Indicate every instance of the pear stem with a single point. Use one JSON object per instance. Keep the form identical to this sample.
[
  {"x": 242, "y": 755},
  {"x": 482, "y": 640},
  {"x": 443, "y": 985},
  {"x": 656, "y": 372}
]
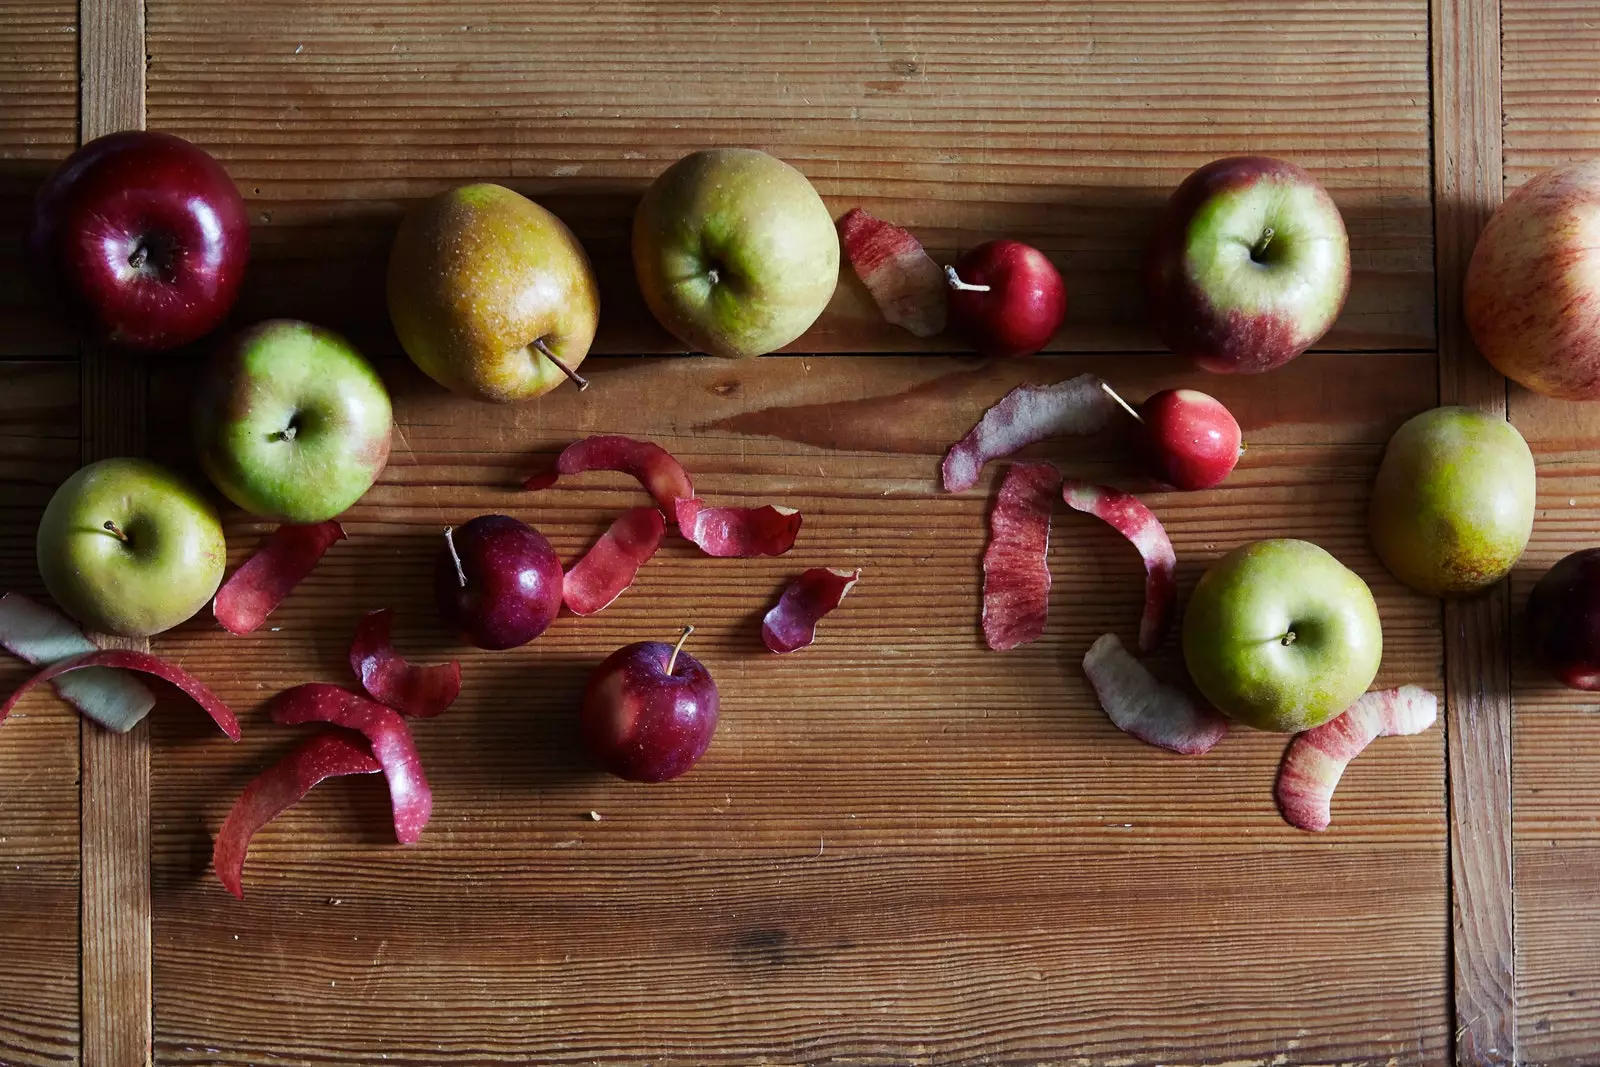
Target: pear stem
[
  {"x": 577, "y": 379},
  {"x": 1287, "y": 639},
  {"x": 115, "y": 531},
  {"x": 1112, "y": 393},
  {"x": 960, "y": 286},
  {"x": 673, "y": 661},
  {"x": 455, "y": 557},
  {"x": 1259, "y": 249}
]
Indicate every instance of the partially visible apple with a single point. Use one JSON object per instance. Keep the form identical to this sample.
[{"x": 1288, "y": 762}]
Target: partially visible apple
[
  {"x": 1564, "y": 619},
  {"x": 1006, "y": 298},
  {"x": 1248, "y": 266},
  {"x": 143, "y": 237},
  {"x": 127, "y": 547},
  {"x": 491, "y": 295},
  {"x": 291, "y": 423},
  {"x": 1281, "y": 636},
  {"x": 649, "y": 711},
  {"x": 734, "y": 252},
  {"x": 1533, "y": 286}
]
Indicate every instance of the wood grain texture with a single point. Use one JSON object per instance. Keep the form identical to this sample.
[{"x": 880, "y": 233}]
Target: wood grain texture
[
  {"x": 1064, "y": 124},
  {"x": 1467, "y": 187},
  {"x": 901, "y": 848}
]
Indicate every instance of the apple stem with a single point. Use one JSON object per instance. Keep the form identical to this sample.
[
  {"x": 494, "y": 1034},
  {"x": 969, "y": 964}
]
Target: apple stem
[
  {"x": 455, "y": 557},
  {"x": 288, "y": 433},
  {"x": 1287, "y": 639},
  {"x": 961, "y": 286},
  {"x": 1260, "y": 247},
  {"x": 140, "y": 256},
  {"x": 577, "y": 379},
  {"x": 115, "y": 531},
  {"x": 1112, "y": 393},
  {"x": 673, "y": 661}
]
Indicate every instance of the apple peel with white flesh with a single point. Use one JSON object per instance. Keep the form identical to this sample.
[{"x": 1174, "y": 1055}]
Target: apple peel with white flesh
[
  {"x": 1139, "y": 704},
  {"x": 1026, "y": 415},
  {"x": 738, "y": 533},
  {"x": 262, "y": 582},
  {"x": 419, "y": 690},
  {"x": 143, "y": 662},
  {"x": 610, "y": 566},
  {"x": 1016, "y": 567},
  {"x": 904, "y": 281},
  {"x": 651, "y": 465},
  {"x": 792, "y": 623},
  {"x": 1315, "y": 760},
  {"x": 330, "y": 754},
  {"x": 41, "y": 636},
  {"x": 409, "y": 793},
  {"x": 1128, "y": 516}
]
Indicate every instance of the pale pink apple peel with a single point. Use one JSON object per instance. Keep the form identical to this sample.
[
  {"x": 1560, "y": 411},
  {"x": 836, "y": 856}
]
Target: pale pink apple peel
[
  {"x": 1139, "y": 704},
  {"x": 1026, "y": 415},
  {"x": 1016, "y": 567},
  {"x": 1128, "y": 516},
  {"x": 42, "y": 636},
  {"x": 904, "y": 281}
]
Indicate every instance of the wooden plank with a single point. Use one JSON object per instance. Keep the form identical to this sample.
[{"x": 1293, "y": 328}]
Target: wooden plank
[
  {"x": 901, "y": 847},
  {"x": 1467, "y": 187},
  {"x": 116, "y": 985}
]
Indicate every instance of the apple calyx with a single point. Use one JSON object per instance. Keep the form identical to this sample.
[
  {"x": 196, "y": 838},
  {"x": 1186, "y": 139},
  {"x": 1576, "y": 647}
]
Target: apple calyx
[
  {"x": 963, "y": 287},
  {"x": 455, "y": 557},
  {"x": 573, "y": 376},
  {"x": 115, "y": 531},
  {"x": 672, "y": 661}
]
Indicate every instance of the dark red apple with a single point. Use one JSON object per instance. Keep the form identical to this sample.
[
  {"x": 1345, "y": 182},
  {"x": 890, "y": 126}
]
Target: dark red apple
[
  {"x": 649, "y": 711},
  {"x": 498, "y": 582},
  {"x": 143, "y": 237},
  {"x": 1190, "y": 440},
  {"x": 1006, "y": 298},
  {"x": 1564, "y": 619}
]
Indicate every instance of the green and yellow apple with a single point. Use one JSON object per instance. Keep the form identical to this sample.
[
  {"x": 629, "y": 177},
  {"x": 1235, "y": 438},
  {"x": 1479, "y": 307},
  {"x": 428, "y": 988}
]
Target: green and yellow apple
[
  {"x": 1452, "y": 508},
  {"x": 1279, "y": 635},
  {"x": 127, "y": 547},
  {"x": 491, "y": 295},
  {"x": 735, "y": 253},
  {"x": 291, "y": 422}
]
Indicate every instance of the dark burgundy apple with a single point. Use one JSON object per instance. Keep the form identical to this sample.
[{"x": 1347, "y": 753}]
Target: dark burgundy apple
[
  {"x": 1564, "y": 619},
  {"x": 649, "y": 711},
  {"x": 498, "y": 582},
  {"x": 143, "y": 237},
  {"x": 1006, "y": 298},
  {"x": 1189, "y": 439}
]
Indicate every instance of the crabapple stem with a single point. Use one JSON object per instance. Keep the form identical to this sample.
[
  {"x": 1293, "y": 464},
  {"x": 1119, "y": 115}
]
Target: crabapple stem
[
  {"x": 1259, "y": 249},
  {"x": 961, "y": 286},
  {"x": 455, "y": 557},
  {"x": 577, "y": 379},
  {"x": 115, "y": 531},
  {"x": 1112, "y": 393},
  {"x": 673, "y": 661}
]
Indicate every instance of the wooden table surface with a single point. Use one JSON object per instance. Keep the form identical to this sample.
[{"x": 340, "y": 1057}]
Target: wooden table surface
[{"x": 902, "y": 848}]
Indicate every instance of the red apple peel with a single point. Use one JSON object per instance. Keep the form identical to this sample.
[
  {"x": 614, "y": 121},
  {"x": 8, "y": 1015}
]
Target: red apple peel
[
  {"x": 42, "y": 636},
  {"x": 769, "y": 530},
  {"x": 262, "y": 582},
  {"x": 409, "y": 793},
  {"x": 422, "y": 691},
  {"x": 1026, "y": 415},
  {"x": 610, "y": 566},
  {"x": 1137, "y": 703},
  {"x": 330, "y": 754},
  {"x": 1129, "y": 517},
  {"x": 647, "y": 462},
  {"x": 792, "y": 623},
  {"x": 904, "y": 281},
  {"x": 129, "y": 660},
  {"x": 1016, "y": 568},
  {"x": 1315, "y": 760}
]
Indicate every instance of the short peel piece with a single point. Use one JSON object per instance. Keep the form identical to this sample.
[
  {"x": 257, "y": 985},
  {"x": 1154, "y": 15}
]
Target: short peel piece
[
  {"x": 261, "y": 583},
  {"x": 1016, "y": 566},
  {"x": 418, "y": 690},
  {"x": 42, "y": 636},
  {"x": 768, "y": 530},
  {"x": 1139, "y": 704},
  {"x": 1028, "y": 414},
  {"x": 662, "y": 476},
  {"x": 329, "y": 754},
  {"x": 1127, "y": 515},
  {"x": 792, "y": 622},
  {"x": 1315, "y": 760},
  {"x": 904, "y": 281},
  {"x": 126, "y": 659},
  {"x": 610, "y": 566}
]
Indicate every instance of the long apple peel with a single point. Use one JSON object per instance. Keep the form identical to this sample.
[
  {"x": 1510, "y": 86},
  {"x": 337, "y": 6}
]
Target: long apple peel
[
  {"x": 1016, "y": 564},
  {"x": 1315, "y": 760},
  {"x": 143, "y": 662},
  {"x": 418, "y": 690},
  {"x": 1026, "y": 415},
  {"x": 330, "y": 754},
  {"x": 610, "y": 566},
  {"x": 652, "y": 466},
  {"x": 41, "y": 636},
  {"x": 1128, "y": 515},
  {"x": 263, "y": 581},
  {"x": 1139, "y": 704},
  {"x": 738, "y": 533},
  {"x": 903, "y": 280},
  {"x": 792, "y": 623}
]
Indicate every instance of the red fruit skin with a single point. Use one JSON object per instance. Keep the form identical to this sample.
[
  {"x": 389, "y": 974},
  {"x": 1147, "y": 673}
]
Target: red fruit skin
[
  {"x": 131, "y": 188},
  {"x": 643, "y": 724},
  {"x": 1564, "y": 619},
  {"x": 514, "y": 583},
  {"x": 1190, "y": 439},
  {"x": 1025, "y": 306}
]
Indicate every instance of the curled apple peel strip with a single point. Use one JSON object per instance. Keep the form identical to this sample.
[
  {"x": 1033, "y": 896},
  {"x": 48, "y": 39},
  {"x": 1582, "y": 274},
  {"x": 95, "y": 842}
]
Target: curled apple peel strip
[
  {"x": 903, "y": 280},
  {"x": 1315, "y": 760},
  {"x": 647, "y": 462},
  {"x": 1026, "y": 415},
  {"x": 261, "y": 583},
  {"x": 610, "y": 566},
  {"x": 792, "y": 623},
  {"x": 1129, "y": 517},
  {"x": 419, "y": 690},
  {"x": 42, "y": 636},
  {"x": 1142, "y": 706},
  {"x": 143, "y": 662},
  {"x": 768, "y": 530},
  {"x": 1016, "y": 567}
]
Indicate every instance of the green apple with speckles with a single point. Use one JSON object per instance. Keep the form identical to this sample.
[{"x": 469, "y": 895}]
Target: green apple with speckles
[
  {"x": 1281, "y": 636},
  {"x": 1452, "y": 508},
  {"x": 127, "y": 547},
  {"x": 291, "y": 423},
  {"x": 735, "y": 253}
]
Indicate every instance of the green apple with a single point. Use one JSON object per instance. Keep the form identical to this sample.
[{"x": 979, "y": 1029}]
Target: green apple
[
  {"x": 735, "y": 252},
  {"x": 491, "y": 295},
  {"x": 127, "y": 547},
  {"x": 291, "y": 422},
  {"x": 1452, "y": 508},
  {"x": 1281, "y": 636}
]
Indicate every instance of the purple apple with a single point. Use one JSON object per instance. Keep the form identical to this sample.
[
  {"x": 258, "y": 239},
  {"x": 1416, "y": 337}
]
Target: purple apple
[
  {"x": 143, "y": 237},
  {"x": 498, "y": 582},
  {"x": 1564, "y": 619},
  {"x": 1006, "y": 298},
  {"x": 649, "y": 711}
]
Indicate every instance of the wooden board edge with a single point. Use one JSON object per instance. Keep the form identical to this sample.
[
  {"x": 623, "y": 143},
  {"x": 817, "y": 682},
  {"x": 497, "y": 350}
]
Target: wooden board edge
[
  {"x": 116, "y": 996},
  {"x": 1468, "y": 183}
]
